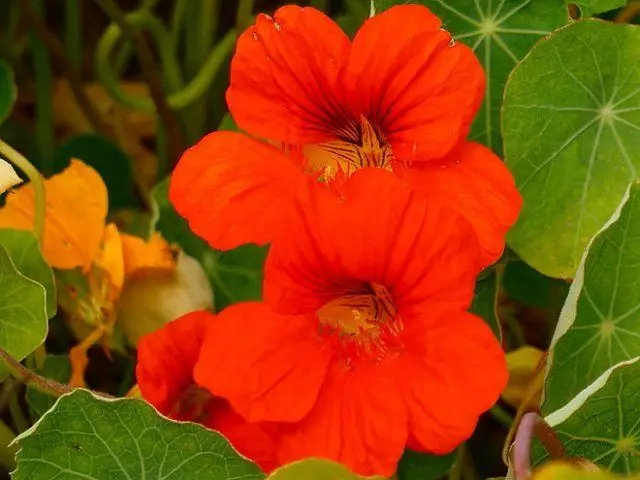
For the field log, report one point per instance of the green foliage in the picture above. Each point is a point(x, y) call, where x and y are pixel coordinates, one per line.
point(423, 466)
point(27, 258)
point(589, 8)
point(570, 147)
point(55, 367)
point(8, 91)
point(236, 275)
point(84, 436)
point(23, 313)
point(485, 302)
point(600, 317)
point(316, 469)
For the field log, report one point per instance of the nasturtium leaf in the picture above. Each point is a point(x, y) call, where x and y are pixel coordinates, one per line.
point(84, 436)
point(529, 287)
point(500, 33)
point(113, 165)
point(55, 367)
point(485, 302)
point(600, 323)
point(572, 148)
point(562, 470)
point(23, 312)
point(605, 429)
point(8, 91)
point(236, 275)
point(424, 466)
point(316, 469)
point(588, 8)
point(26, 256)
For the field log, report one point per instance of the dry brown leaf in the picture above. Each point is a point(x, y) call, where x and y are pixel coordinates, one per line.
point(75, 215)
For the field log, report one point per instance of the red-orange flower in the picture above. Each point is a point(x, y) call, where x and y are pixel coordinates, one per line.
point(401, 96)
point(166, 359)
point(363, 342)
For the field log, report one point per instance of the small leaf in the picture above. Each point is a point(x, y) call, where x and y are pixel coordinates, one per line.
point(55, 367)
point(84, 436)
point(599, 324)
point(236, 275)
point(75, 215)
point(23, 313)
point(26, 256)
point(589, 8)
point(501, 33)
point(8, 176)
point(571, 148)
point(424, 466)
point(316, 469)
point(485, 300)
point(8, 91)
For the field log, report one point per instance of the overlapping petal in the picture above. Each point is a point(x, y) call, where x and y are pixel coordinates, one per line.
point(233, 189)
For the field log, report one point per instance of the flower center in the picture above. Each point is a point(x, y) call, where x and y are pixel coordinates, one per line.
point(365, 318)
point(361, 148)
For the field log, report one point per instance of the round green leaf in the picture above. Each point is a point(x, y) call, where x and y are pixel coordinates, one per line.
point(589, 8)
point(8, 91)
point(23, 314)
point(571, 122)
point(316, 469)
point(84, 436)
point(599, 326)
point(500, 32)
point(25, 253)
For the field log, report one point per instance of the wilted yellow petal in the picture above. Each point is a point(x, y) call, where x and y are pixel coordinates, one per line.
point(562, 470)
point(8, 176)
point(155, 256)
point(75, 215)
point(148, 302)
point(522, 364)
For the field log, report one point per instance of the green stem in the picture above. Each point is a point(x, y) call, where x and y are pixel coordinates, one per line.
point(17, 415)
point(36, 181)
point(44, 97)
point(244, 15)
point(73, 32)
point(502, 416)
point(7, 453)
point(177, 21)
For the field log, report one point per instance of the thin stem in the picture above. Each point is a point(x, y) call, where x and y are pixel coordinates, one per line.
point(244, 15)
point(73, 32)
point(44, 95)
point(59, 55)
point(7, 453)
point(34, 176)
point(17, 415)
point(502, 416)
point(150, 74)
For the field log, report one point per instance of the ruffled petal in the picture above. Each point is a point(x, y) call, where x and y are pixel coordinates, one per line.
point(359, 420)
point(473, 181)
point(234, 190)
point(422, 89)
point(166, 359)
point(284, 76)
point(378, 231)
point(268, 366)
point(460, 359)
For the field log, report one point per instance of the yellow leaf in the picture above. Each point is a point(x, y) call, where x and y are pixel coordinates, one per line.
point(75, 215)
point(8, 176)
point(155, 256)
point(522, 364)
point(562, 470)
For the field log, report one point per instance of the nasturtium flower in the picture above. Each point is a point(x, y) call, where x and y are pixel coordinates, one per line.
point(164, 372)
point(401, 96)
point(363, 343)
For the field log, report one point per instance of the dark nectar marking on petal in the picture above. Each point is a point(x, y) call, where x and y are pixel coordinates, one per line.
point(191, 405)
point(362, 320)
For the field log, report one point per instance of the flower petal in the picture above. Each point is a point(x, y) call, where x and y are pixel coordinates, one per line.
point(459, 358)
point(233, 189)
point(358, 420)
point(166, 359)
point(378, 232)
point(421, 88)
point(269, 366)
point(284, 76)
point(476, 183)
